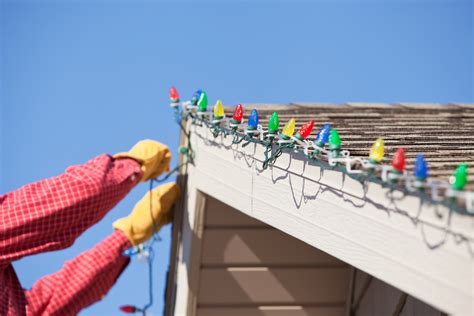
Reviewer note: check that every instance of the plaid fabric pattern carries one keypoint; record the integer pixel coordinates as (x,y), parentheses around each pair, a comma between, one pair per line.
(50,215)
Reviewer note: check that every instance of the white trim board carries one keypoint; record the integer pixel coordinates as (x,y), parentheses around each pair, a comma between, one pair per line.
(362,227)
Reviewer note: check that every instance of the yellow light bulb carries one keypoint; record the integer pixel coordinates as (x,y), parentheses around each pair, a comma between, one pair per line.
(218,110)
(377,150)
(289,128)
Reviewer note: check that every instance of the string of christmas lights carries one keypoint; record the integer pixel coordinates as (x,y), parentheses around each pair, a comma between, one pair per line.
(145,251)
(326,147)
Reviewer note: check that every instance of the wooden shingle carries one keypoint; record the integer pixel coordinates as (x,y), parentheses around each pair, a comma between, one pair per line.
(444,133)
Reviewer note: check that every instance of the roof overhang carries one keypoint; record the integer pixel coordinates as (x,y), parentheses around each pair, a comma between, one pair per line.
(403,240)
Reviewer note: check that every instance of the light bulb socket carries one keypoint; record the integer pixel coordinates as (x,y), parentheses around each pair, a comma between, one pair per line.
(272,132)
(183,150)
(252,132)
(393,175)
(318,149)
(419,182)
(372,163)
(216,122)
(335,154)
(298,137)
(334,147)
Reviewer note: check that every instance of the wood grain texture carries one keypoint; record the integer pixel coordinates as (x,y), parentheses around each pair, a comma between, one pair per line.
(271,311)
(260,247)
(222,215)
(276,286)
(381,299)
(196,252)
(437,130)
(176,233)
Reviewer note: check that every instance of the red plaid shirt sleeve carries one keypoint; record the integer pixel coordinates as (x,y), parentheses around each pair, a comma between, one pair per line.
(52,213)
(82,281)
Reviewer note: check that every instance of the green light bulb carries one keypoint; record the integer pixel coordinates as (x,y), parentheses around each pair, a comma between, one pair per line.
(334,140)
(459,179)
(202,102)
(183,150)
(273,123)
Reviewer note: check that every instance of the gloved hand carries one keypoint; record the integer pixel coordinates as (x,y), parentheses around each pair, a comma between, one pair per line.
(139,226)
(152,155)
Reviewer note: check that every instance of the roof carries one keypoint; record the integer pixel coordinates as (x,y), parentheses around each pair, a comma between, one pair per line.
(444,133)
(422,248)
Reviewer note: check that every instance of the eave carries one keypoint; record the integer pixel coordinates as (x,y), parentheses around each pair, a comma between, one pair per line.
(406,242)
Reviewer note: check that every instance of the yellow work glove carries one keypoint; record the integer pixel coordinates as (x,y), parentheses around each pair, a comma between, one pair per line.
(139,226)
(152,155)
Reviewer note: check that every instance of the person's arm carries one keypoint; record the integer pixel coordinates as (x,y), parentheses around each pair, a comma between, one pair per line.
(82,281)
(52,213)
(87,278)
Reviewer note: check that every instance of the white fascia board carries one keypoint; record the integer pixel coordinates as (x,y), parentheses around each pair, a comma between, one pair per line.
(399,240)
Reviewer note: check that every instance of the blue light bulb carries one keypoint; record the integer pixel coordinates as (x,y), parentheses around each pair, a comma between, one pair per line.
(421,167)
(323,135)
(253,120)
(130,252)
(196,96)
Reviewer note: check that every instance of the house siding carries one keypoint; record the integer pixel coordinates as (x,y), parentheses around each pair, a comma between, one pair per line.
(250,268)
(382,299)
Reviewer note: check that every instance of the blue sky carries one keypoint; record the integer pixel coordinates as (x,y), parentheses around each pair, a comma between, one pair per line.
(80,78)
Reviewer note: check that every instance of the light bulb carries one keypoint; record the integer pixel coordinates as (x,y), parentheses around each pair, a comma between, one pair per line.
(218,110)
(459,178)
(128,309)
(305,130)
(174,95)
(377,150)
(253,120)
(195,97)
(273,123)
(398,162)
(323,135)
(288,129)
(421,167)
(202,102)
(334,140)
(238,114)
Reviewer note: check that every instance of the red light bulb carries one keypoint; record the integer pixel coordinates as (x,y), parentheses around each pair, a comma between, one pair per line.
(238,114)
(305,130)
(398,162)
(174,95)
(128,309)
